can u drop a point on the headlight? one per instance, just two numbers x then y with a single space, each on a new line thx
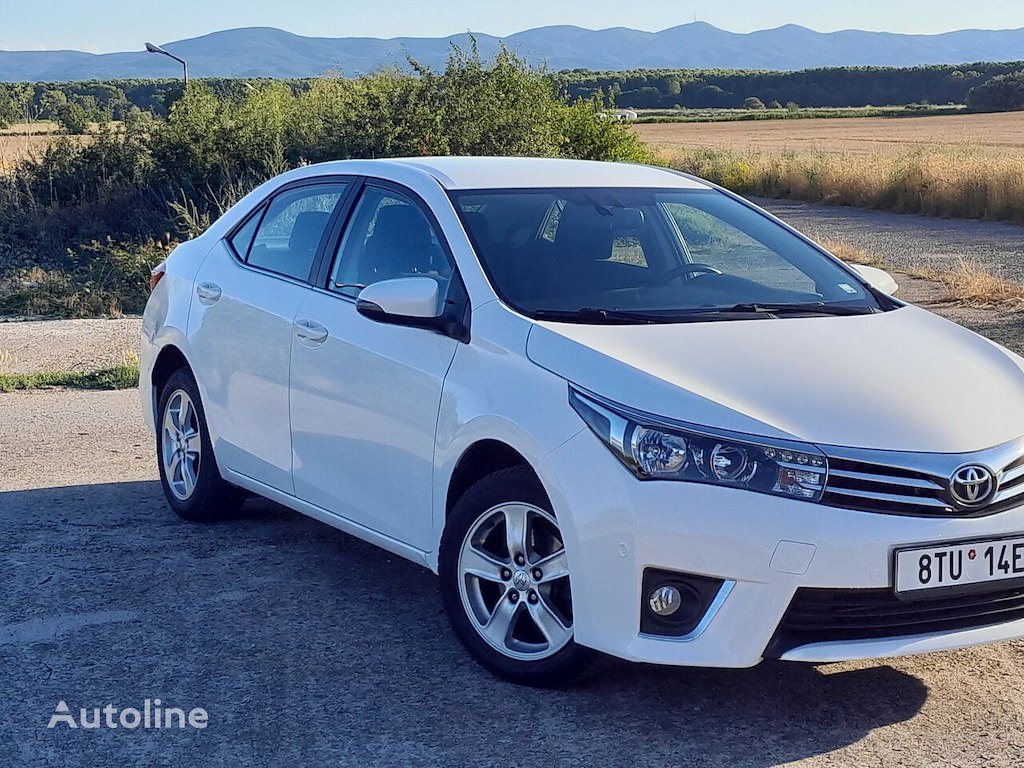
655 449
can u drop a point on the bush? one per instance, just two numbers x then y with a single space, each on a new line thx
93 214
95 279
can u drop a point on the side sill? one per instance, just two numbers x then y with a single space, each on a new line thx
329 518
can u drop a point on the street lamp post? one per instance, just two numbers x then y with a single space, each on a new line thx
157 49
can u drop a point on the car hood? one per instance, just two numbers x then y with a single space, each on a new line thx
904 380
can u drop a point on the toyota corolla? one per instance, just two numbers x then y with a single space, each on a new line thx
615 408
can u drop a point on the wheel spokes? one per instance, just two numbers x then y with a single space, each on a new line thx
548 622
498 628
482 565
188 476
174 468
184 411
553 567
516 532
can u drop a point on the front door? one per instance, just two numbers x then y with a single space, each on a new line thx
365 395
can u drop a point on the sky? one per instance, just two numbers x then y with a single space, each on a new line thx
122 25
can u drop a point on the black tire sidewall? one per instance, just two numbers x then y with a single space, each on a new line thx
518 484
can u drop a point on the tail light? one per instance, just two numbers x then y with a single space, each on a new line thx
157 274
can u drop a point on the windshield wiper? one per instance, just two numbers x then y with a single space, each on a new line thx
704 314
814 308
597 315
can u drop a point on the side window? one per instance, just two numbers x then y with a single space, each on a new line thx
388 236
242 239
292 228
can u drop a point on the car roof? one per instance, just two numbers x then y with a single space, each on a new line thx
525 172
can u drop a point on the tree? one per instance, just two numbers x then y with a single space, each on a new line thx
1002 93
752 102
72 118
9 111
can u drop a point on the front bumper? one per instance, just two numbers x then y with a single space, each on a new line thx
764 547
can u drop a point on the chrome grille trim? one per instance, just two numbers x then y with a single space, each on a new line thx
923 501
910 482
905 483
1008 493
1011 475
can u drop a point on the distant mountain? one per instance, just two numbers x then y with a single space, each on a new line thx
268 52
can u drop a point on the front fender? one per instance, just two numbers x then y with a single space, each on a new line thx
493 392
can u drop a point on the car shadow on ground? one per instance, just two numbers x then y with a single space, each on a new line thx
307 645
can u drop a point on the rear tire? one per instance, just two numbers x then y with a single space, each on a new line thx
505 582
188 470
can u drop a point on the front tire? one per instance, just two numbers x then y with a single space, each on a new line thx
189 475
505 581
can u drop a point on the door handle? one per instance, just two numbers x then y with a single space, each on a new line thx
208 293
311 331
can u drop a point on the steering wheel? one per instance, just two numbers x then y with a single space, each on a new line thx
687 269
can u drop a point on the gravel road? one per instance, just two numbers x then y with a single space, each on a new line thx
308 647
907 240
67 345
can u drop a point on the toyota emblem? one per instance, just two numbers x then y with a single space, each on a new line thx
972 486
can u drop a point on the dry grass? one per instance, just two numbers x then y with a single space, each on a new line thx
850 254
972 283
962 182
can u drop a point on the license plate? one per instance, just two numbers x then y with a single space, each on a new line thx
955 565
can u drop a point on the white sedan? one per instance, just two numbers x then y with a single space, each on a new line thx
614 407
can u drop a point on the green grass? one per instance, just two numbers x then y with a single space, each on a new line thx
119 377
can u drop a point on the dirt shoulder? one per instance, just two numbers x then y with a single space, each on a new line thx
68 345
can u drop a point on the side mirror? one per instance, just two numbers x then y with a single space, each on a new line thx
400 300
413 302
877 278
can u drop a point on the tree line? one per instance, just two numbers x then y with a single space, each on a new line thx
76 105
826 87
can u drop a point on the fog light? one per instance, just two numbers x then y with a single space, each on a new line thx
665 600
673 603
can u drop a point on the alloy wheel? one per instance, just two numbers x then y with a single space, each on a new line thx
181 445
514 581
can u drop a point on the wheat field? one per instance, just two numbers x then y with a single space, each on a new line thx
968 166
860 135
25 141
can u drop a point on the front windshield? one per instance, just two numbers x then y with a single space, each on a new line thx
648 254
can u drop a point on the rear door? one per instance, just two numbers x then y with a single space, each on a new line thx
365 395
241 326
